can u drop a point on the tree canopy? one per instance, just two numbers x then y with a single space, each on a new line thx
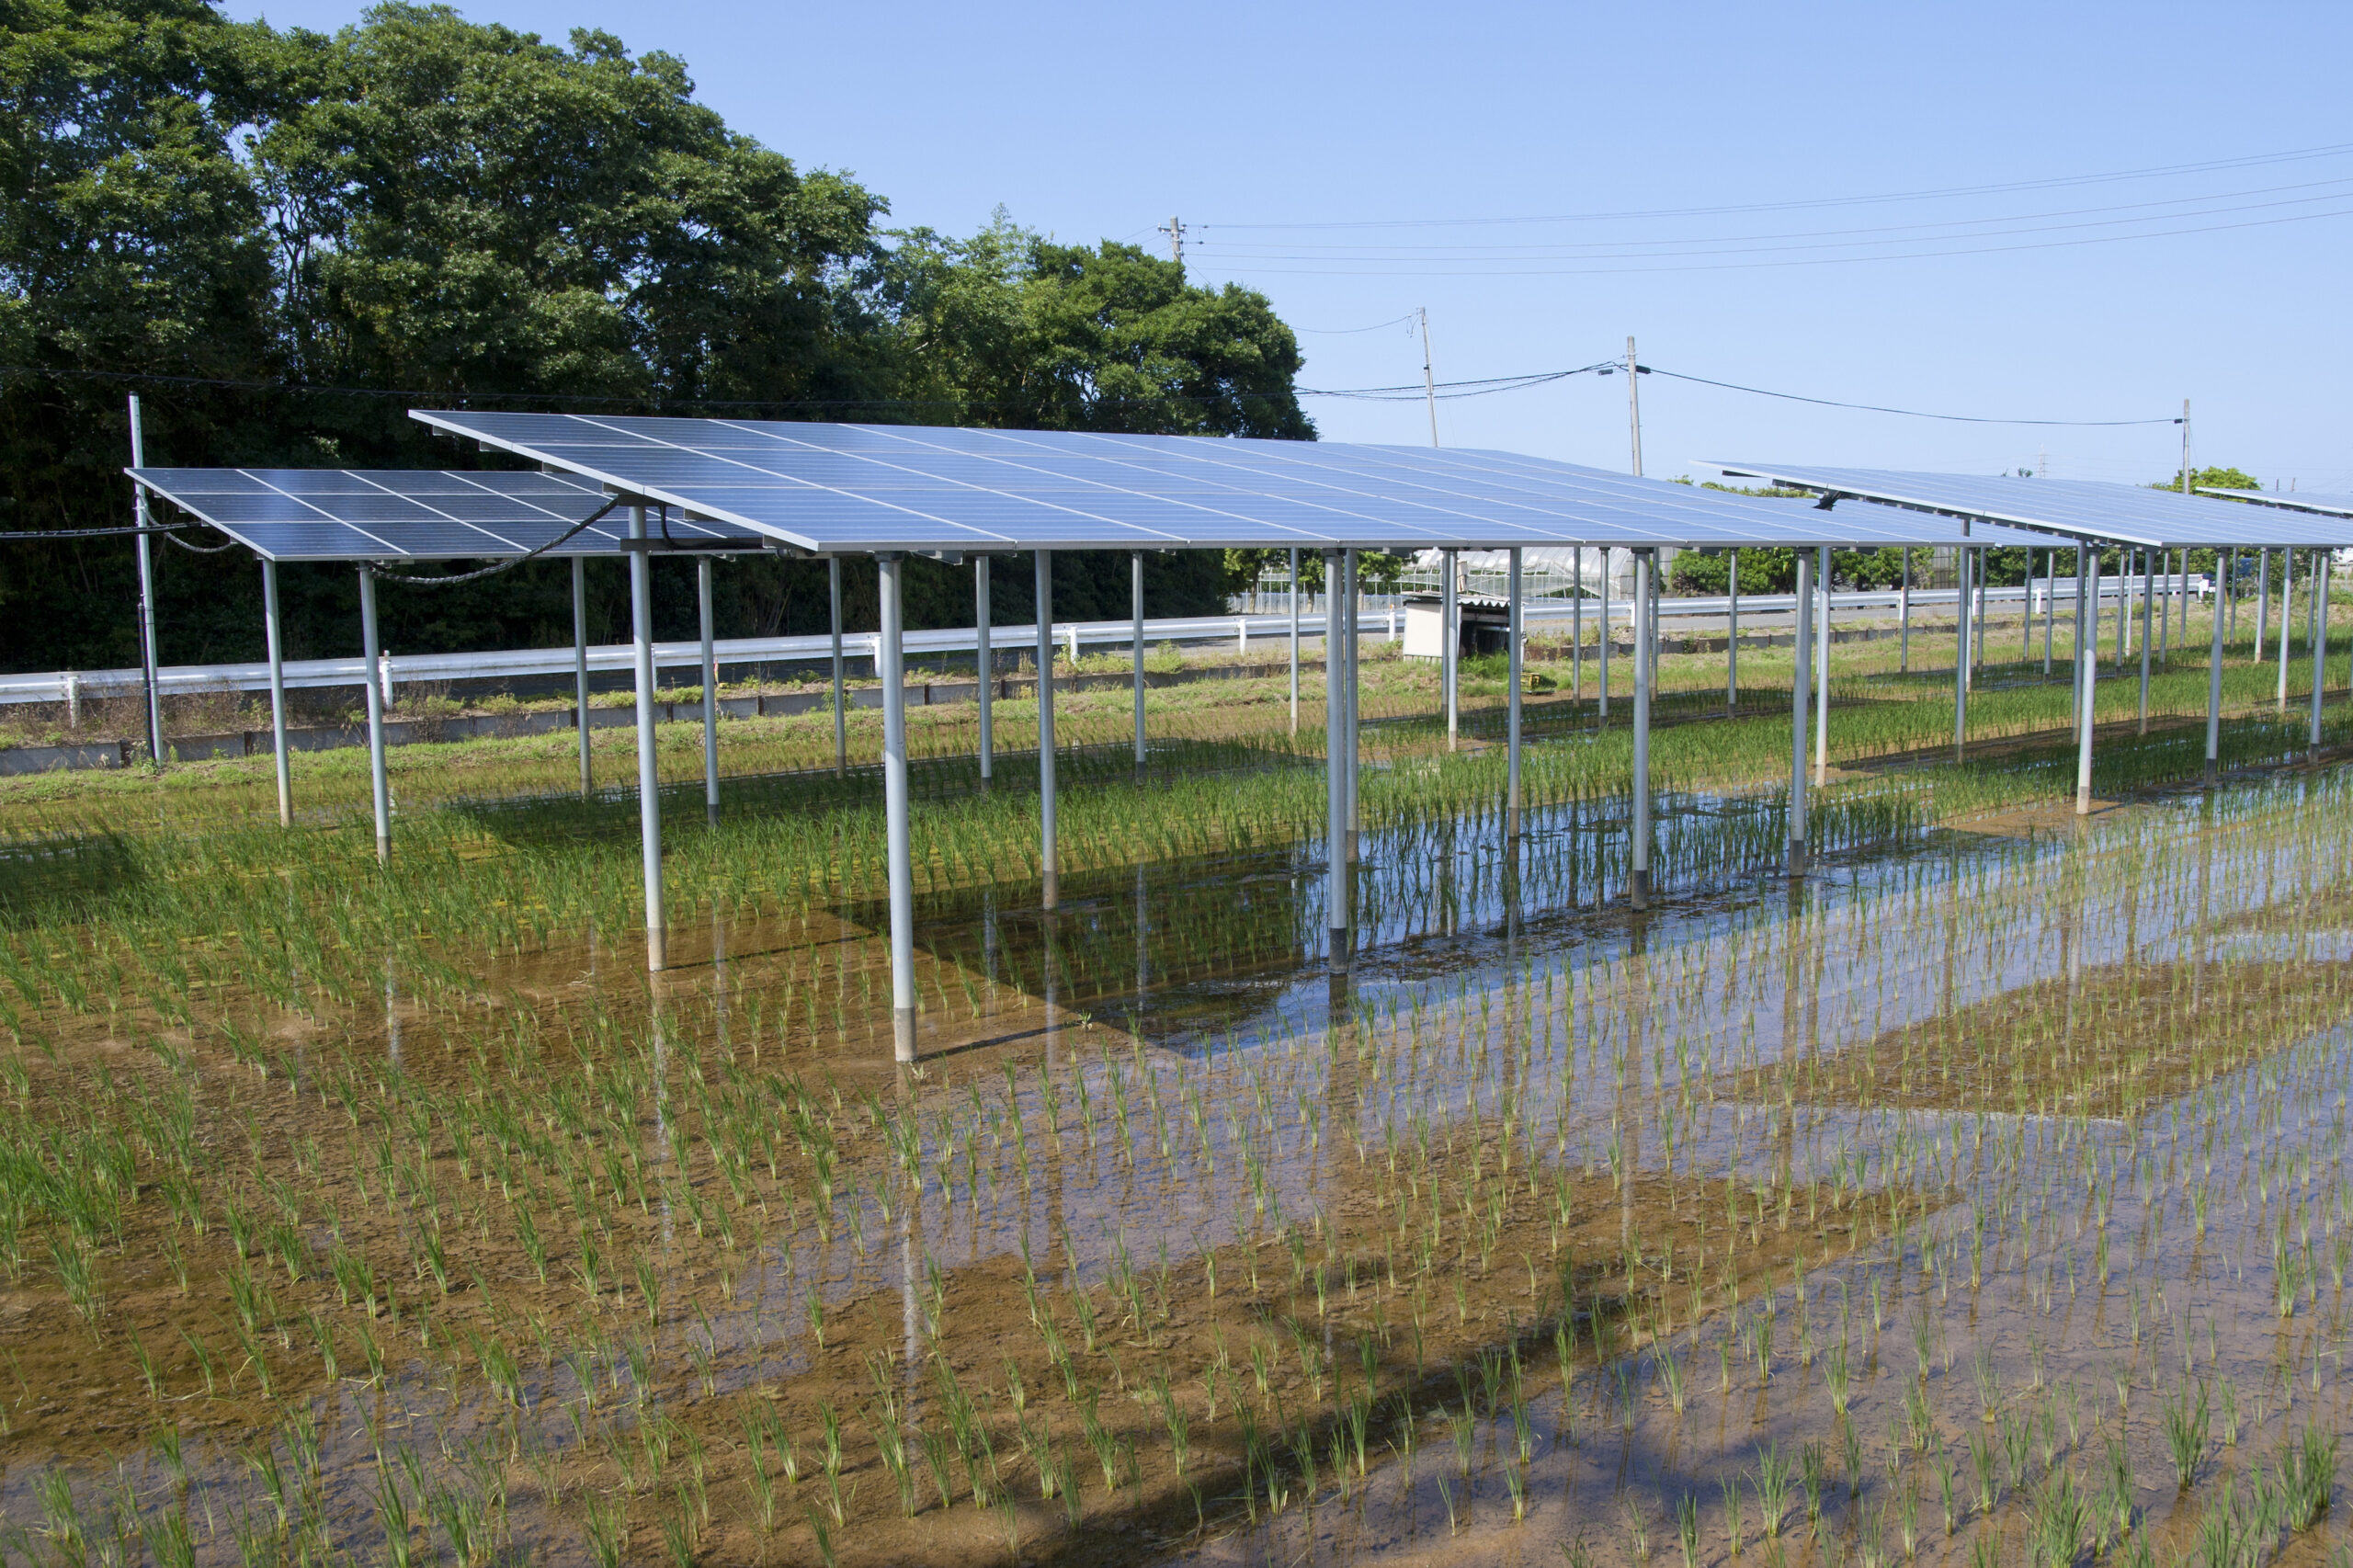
283 238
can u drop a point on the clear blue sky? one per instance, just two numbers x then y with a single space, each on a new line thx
1097 121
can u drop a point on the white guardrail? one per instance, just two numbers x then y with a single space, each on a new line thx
69 686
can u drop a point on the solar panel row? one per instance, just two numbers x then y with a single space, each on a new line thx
855 488
2125 513
406 515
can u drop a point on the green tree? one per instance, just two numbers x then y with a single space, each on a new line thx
2212 478
284 239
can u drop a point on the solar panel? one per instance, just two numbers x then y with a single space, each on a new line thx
2125 514
844 489
2292 501
404 514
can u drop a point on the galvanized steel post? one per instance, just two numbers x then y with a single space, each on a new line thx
1049 854
1638 879
1135 608
2214 702
2087 701
272 633
1822 667
1513 656
1449 635
649 777
709 694
841 718
2318 615
580 667
380 787
900 870
1336 732
983 662
1799 668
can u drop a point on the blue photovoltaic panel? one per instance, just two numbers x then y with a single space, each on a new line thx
404 514
2126 514
2292 501
857 488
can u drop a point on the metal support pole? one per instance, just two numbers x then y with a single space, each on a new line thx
984 665
148 664
2049 602
2144 643
1904 616
1049 853
1732 635
2075 676
649 777
1961 658
1295 640
841 718
1449 641
1511 706
901 872
2287 601
580 667
2214 703
709 694
1603 711
1336 732
2318 615
2123 606
1638 880
1798 681
2089 681
2026 610
273 632
1352 642
2262 596
379 785
1135 610
1576 627
1977 610
1822 667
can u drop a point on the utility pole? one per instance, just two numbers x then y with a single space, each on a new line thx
1634 407
2185 445
1175 230
1429 382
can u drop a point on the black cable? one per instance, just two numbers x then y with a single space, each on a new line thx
96 533
598 515
199 548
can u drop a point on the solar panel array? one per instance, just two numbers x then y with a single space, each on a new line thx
2127 514
839 489
2293 500
404 514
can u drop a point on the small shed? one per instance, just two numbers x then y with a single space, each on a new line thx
1483 624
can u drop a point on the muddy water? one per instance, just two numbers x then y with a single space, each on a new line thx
1153 1182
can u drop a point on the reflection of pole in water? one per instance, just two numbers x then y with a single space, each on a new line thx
1143 950
718 979
911 1234
391 1008
661 1085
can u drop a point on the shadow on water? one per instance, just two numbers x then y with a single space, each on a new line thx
41 875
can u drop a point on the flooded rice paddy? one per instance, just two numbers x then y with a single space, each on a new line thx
1983 1198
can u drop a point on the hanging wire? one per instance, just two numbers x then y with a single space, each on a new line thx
577 529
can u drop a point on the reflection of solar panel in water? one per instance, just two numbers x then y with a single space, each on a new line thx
868 487
404 514
2131 514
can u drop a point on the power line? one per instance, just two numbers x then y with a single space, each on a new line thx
1934 194
1826 239
1908 413
1805 261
